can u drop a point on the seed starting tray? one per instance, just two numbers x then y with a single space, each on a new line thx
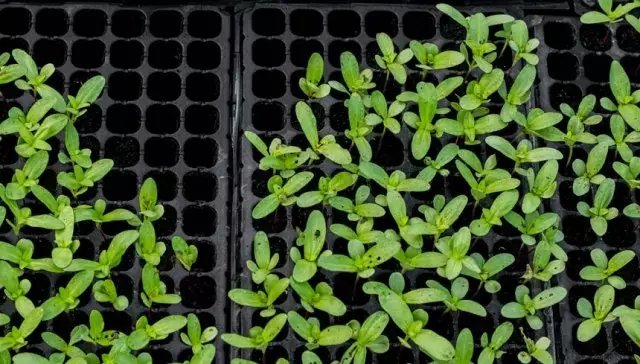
188 80
163 114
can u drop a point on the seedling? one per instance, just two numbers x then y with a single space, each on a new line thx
360 261
600 212
542 185
309 330
358 209
422 122
264 262
466 125
197 338
436 166
391 61
603 303
363 233
605 268
532 224
278 156
281 194
327 146
185 253
150 209
502 205
535 350
489 269
274 287
355 80
455 248
619 138
68 297
310 84
385 115
320 298
80 180
396 285
608 14
524 153
485 179
626 101
360 127
155 291
629 172
147 247
527 307
66 349
396 182
95 213
543 268
312 241
259 338
518 94
368 337
17 337
145 333
589 173
492 350
430 57
478 92
522 46
541 124
455 301
441 217
105 291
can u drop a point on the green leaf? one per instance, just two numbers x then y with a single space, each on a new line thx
435 345
549 297
315 68
619 82
90 90
307 123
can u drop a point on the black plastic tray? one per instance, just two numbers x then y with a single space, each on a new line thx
164 114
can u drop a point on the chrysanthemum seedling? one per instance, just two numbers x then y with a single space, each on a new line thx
523 153
455 248
160 330
397 181
281 193
502 205
311 241
608 14
619 138
589 173
310 84
263 262
68 297
363 233
155 291
65 349
478 92
96 213
605 268
383 114
186 254
321 298
419 296
630 172
391 61
356 81
361 260
147 247
535 350
541 124
309 330
429 57
423 122
471 125
274 287
543 268
368 337
532 224
485 179
626 101
278 156
518 94
17 337
595 314
437 165
492 350
105 291
541 186
600 212
527 307
454 300
327 146
197 338
522 46
359 208
360 127
489 269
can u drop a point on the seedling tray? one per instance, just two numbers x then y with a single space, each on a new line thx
164 114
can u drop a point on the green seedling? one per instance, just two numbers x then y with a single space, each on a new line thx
604 268
68 297
455 301
489 269
155 291
66 349
309 330
360 261
626 101
81 157
441 216
437 165
105 291
321 298
595 314
501 206
312 241
543 268
264 262
259 338
485 179
469 127
186 254
197 338
383 114
519 93
368 337
328 188
359 127
150 209
532 224
541 185
478 92
310 84
535 350
391 61
608 14
524 153
419 296
541 124
274 287
455 248
16 289
600 212
356 81
96 213
80 180
492 350
327 146
396 182
24 179
16 338
527 307
430 58
423 123
522 46
145 333
23 217
589 173
281 194
278 156
358 209
363 233
619 138
629 172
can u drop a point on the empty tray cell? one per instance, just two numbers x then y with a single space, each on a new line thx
15 21
78 78
90 121
166 23
199 186
8 153
161 152
128 23
630 65
563 66
162 119
126 54
167 183
343 23
9 44
123 118
199 220
198 292
564 93
337 47
381 22
595 37
120 185
559 35
88 53
302 49
52 22
306 22
200 152
52 51
206 261
419 25
268 22
165 54
201 119
596 67
125 86
628 39
204 24
89 22
268 116
125 151
203 55
164 86
450 29
268 52
203 87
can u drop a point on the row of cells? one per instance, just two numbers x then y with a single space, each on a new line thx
128 54
127 23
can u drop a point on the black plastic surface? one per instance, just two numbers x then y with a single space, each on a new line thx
164 114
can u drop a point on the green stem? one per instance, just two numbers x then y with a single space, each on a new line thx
386 80
570 156
380 143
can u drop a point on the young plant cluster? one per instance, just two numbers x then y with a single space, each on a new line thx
610 14
50 116
472 105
